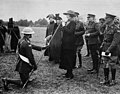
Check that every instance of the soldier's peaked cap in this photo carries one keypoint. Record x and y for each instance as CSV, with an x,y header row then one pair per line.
x,y
110,15
90,15
50,16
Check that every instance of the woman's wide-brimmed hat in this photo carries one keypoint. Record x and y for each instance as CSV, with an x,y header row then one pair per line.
x,y
70,12
50,16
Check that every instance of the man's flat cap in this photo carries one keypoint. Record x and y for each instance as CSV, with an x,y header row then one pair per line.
x,y
91,15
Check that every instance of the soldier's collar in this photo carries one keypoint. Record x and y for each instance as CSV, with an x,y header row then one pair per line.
x,y
26,38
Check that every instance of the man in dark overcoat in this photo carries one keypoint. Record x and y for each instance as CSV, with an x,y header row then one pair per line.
x,y
14,31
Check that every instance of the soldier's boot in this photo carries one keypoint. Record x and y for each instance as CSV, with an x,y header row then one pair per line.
x,y
113,73
106,79
7,81
80,60
15,82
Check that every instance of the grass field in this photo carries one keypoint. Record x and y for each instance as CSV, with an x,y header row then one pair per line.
x,y
48,75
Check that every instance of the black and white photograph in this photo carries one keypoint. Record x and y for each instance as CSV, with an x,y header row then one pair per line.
x,y
59,47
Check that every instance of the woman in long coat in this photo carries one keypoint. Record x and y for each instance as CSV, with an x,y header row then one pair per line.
x,y
68,45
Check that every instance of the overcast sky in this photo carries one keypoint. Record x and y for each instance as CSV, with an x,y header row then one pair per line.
x,y
35,9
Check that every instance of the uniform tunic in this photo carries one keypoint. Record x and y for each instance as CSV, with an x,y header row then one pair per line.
x,y
111,40
79,34
25,49
93,42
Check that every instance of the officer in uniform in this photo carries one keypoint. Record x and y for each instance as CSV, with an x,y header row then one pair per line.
x,y
92,33
79,38
26,61
102,27
111,44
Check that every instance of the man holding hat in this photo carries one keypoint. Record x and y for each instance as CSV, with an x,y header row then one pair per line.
x,y
111,47
92,33
26,61
80,30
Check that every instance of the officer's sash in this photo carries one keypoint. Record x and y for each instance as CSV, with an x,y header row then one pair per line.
x,y
25,59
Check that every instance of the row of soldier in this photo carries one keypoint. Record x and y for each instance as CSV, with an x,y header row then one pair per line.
x,y
69,38
9,36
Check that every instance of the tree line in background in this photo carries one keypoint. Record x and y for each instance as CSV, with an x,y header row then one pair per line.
x,y
24,22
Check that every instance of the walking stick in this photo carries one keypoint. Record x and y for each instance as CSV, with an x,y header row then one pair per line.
x,y
32,71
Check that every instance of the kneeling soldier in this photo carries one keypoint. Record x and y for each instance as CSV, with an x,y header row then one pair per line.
x,y
26,61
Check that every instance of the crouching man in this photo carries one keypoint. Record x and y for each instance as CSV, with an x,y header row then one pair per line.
x,y
26,61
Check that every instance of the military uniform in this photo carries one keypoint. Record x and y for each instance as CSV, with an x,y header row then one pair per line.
x,y
111,44
93,30
79,42
25,63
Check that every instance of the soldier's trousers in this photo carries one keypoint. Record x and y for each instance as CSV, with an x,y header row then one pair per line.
x,y
94,54
20,82
88,49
